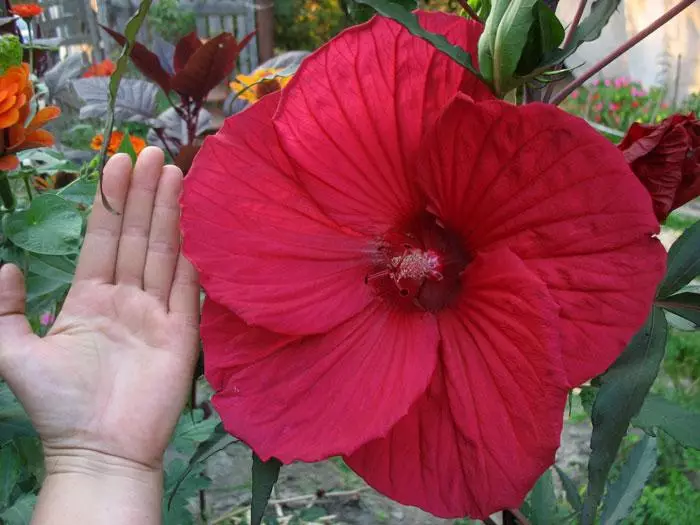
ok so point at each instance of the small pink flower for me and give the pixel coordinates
(608, 82)
(47, 319)
(598, 107)
(595, 83)
(619, 82)
(575, 94)
(613, 106)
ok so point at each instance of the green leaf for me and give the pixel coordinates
(587, 31)
(625, 492)
(50, 226)
(545, 36)
(127, 147)
(570, 489)
(57, 267)
(217, 441)
(14, 421)
(681, 424)
(81, 191)
(182, 484)
(10, 465)
(265, 476)
(543, 502)
(191, 430)
(21, 511)
(686, 305)
(407, 19)
(683, 261)
(623, 389)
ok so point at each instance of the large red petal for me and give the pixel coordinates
(353, 115)
(310, 398)
(490, 422)
(261, 245)
(560, 196)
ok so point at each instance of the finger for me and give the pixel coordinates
(99, 254)
(136, 224)
(13, 323)
(164, 240)
(184, 296)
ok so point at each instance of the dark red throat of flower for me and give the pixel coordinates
(419, 265)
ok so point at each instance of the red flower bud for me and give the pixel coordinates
(666, 159)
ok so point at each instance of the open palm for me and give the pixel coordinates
(113, 372)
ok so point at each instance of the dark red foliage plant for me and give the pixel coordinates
(199, 68)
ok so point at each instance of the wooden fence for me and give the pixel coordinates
(75, 23)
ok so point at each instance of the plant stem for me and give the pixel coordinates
(6, 196)
(575, 22)
(28, 186)
(569, 37)
(621, 50)
(164, 140)
(464, 4)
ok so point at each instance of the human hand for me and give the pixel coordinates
(111, 376)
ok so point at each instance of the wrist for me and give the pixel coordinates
(87, 486)
(98, 465)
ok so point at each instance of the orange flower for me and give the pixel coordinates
(115, 143)
(26, 10)
(15, 91)
(17, 136)
(101, 69)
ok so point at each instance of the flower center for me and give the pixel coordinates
(418, 265)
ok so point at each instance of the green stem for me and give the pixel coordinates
(28, 186)
(6, 195)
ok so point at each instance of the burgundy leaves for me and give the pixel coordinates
(199, 67)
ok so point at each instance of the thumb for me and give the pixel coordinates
(13, 323)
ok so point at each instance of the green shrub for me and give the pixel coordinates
(170, 20)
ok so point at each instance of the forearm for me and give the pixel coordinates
(83, 487)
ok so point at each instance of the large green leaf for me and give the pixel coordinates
(683, 262)
(57, 267)
(543, 502)
(546, 34)
(686, 305)
(10, 465)
(51, 226)
(20, 513)
(681, 424)
(624, 493)
(14, 421)
(623, 389)
(265, 474)
(407, 19)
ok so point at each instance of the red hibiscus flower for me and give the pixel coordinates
(666, 158)
(26, 11)
(404, 271)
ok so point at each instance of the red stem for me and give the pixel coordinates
(574, 23)
(569, 37)
(621, 50)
